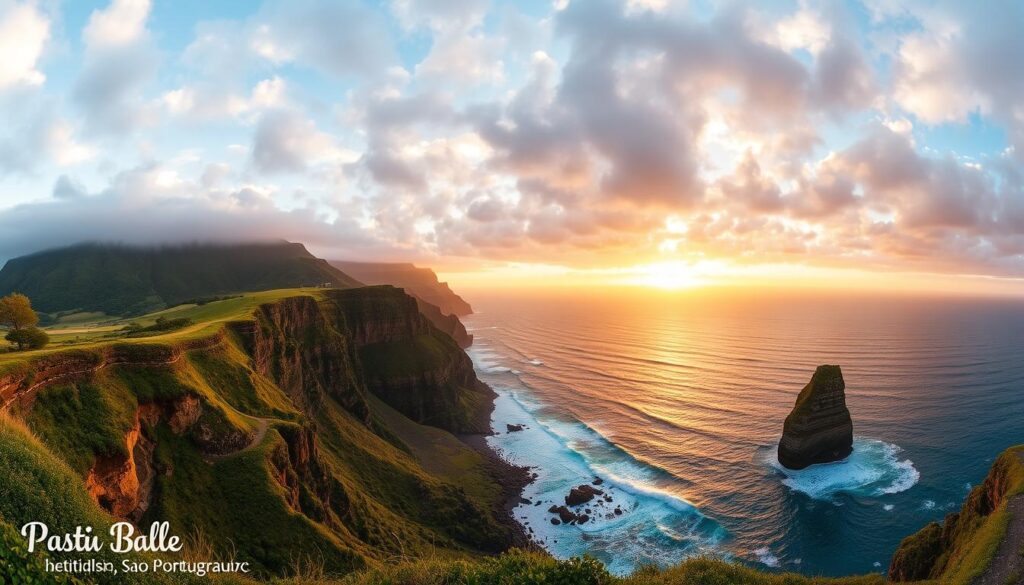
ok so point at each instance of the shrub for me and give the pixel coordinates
(30, 338)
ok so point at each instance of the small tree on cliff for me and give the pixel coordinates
(17, 316)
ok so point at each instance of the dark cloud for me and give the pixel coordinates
(67, 188)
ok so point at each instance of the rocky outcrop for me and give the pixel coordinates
(113, 481)
(819, 429)
(421, 283)
(309, 487)
(293, 343)
(410, 364)
(123, 483)
(450, 324)
(581, 495)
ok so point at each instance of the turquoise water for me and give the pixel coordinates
(677, 404)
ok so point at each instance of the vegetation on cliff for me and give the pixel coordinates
(260, 431)
(120, 280)
(959, 550)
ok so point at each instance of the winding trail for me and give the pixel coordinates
(1007, 566)
(262, 425)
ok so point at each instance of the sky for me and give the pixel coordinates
(660, 142)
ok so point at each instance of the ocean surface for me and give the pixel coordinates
(677, 404)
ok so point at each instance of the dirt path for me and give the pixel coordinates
(1007, 566)
(262, 424)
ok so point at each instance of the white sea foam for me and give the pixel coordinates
(873, 469)
(536, 362)
(888, 507)
(655, 526)
(765, 557)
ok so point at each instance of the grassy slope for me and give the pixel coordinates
(38, 486)
(208, 319)
(383, 503)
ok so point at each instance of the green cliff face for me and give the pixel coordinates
(962, 547)
(268, 437)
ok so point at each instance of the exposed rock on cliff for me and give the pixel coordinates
(421, 283)
(410, 364)
(321, 363)
(450, 324)
(819, 429)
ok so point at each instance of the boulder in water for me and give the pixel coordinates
(819, 429)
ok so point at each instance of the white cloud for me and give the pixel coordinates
(122, 23)
(24, 32)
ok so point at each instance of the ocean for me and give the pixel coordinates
(676, 402)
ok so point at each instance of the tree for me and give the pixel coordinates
(16, 314)
(28, 338)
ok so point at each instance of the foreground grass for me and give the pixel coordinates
(532, 568)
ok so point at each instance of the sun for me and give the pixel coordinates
(669, 275)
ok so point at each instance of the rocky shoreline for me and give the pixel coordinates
(513, 479)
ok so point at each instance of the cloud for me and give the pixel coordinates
(964, 60)
(24, 32)
(122, 23)
(119, 61)
(286, 141)
(602, 131)
(68, 188)
(142, 207)
(342, 38)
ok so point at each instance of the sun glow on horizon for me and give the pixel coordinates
(682, 276)
(675, 275)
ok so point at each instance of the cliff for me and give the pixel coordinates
(122, 280)
(421, 283)
(410, 364)
(450, 324)
(982, 542)
(819, 428)
(266, 436)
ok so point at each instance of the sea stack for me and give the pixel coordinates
(819, 429)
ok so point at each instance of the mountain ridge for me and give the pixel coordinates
(118, 279)
(421, 283)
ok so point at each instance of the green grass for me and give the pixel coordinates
(84, 419)
(38, 486)
(208, 319)
(530, 568)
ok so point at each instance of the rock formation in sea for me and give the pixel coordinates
(819, 429)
